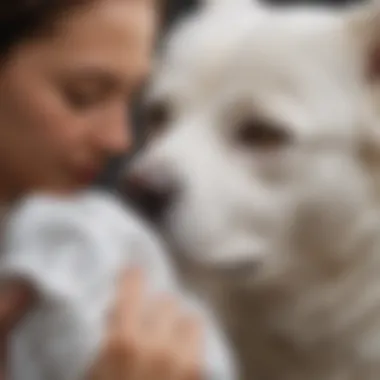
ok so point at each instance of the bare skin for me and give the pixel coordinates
(160, 344)
(63, 106)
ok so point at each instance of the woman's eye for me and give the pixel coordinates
(81, 100)
(260, 134)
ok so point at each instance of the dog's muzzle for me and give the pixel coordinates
(151, 198)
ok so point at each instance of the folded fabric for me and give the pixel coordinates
(72, 251)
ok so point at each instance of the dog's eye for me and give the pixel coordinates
(261, 134)
(156, 117)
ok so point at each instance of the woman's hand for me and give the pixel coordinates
(161, 343)
(16, 298)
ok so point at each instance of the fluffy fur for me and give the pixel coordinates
(270, 135)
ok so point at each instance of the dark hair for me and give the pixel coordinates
(24, 19)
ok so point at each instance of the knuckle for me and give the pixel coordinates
(167, 300)
(163, 360)
(194, 323)
(192, 372)
(166, 305)
(124, 347)
(192, 329)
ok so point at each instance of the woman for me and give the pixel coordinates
(69, 71)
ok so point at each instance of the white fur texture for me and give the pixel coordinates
(73, 252)
(287, 236)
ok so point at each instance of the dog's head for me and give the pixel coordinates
(262, 122)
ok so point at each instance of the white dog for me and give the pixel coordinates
(262, 169)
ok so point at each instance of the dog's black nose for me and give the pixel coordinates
(149, 198)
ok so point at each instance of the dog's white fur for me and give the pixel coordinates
(285, 236)
(73, 251)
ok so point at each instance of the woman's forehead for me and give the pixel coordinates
(115, 37)
(109, 23)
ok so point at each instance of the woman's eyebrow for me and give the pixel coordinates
(108, 77)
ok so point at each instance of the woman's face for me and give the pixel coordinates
(65, 99)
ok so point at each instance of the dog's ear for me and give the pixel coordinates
(218, 3)
(364, 23)
(364, 26)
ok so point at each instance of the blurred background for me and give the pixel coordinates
(175, 9)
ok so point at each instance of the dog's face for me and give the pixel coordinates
(258, 119)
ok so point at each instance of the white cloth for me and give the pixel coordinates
(73, 251)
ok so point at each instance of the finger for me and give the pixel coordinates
(159, 355)
(15, 300)
(191, 340)
(160, 319)
(122, 351)
(129, 302)
(133, 301)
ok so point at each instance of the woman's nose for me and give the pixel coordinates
(115, 134)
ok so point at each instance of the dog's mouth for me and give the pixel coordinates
(236, 261)
(236, 272)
